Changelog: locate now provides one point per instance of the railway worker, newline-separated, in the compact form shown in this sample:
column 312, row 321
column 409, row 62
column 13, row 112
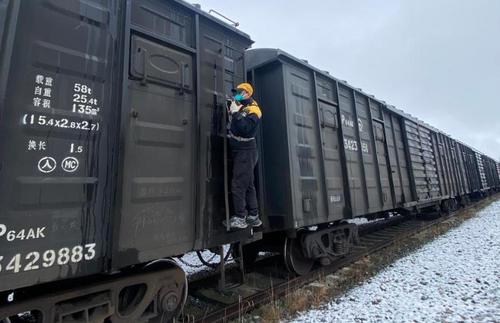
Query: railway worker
column 244, row 119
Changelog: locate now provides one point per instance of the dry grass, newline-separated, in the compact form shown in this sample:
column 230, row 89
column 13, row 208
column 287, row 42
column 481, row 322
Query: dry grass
column 271, row 313
column 334, row 285
column 297, row 301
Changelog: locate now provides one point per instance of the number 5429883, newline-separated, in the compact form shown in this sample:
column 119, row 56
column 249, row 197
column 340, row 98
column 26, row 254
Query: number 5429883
column 35, row 260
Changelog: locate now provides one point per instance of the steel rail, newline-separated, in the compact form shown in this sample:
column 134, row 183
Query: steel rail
column 373, row 237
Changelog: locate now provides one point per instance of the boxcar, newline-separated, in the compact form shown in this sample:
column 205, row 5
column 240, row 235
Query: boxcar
column 331, row 152
column 113, row 156
column 111, row 143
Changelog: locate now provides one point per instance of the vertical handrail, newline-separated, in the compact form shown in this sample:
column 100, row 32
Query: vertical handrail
column 226, row 176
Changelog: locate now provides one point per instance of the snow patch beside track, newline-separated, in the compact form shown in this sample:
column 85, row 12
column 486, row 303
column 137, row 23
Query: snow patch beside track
column 455, row 278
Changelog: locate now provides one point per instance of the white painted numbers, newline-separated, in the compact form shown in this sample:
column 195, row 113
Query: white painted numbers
column 364, row 147
column 36, row 260
column 350, row 144
column 77, row 110
column 23, row 234
column 335, row 198
column 41, row 259
column 83, row 102
column 75, row 149
column 63, row 123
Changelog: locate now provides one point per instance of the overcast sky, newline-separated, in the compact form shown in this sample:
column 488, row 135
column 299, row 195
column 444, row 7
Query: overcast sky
column 436, row 59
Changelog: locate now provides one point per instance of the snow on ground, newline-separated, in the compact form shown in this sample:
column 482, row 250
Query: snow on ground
column 361, row 220
column 455, row 278
column 191, row 264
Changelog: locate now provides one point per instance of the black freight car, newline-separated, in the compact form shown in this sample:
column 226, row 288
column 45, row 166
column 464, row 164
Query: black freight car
column 111, row 152
column 112, row 127
column 331, row 152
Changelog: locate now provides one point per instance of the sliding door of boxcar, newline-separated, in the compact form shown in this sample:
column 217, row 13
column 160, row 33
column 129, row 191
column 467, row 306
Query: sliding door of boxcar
column 157, row 208
column 363, row 166
column 474, row 180
column 442, row 159
column 305, row 147
column 393, row 160
column 327, row 97
column 461, row 168
column 354, row 160
column 452, row 179
column 439, row 164
column 380, row 127
column 382, row 159
column 368, row 153
column 397, row 153
column 455, row 157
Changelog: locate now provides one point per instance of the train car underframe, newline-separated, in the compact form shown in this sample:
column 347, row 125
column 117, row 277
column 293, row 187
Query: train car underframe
column 325, row 243
column 155, row 292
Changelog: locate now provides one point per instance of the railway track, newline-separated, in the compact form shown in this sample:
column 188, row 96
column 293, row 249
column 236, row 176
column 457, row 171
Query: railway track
column 270, row 280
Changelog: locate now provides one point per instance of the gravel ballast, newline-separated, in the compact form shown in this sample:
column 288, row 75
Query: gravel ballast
column 455, row 278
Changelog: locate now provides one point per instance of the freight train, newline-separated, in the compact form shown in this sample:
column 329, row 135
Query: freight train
column 113, row 156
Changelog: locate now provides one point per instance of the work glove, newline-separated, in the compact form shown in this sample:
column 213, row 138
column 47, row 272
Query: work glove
column 234, row 107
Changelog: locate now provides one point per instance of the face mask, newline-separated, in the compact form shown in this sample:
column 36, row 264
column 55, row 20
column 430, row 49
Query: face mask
column 238, row 97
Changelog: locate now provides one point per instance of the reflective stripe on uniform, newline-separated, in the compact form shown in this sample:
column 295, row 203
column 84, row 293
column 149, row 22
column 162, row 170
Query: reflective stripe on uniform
column 238, row 138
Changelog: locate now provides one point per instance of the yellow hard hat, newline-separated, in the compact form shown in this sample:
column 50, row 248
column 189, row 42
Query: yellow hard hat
column 246, row 87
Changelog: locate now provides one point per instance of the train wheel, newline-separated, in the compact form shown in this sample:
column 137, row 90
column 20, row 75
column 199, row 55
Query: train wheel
column 170, row 302
column 156, row 295
column 295, row 261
